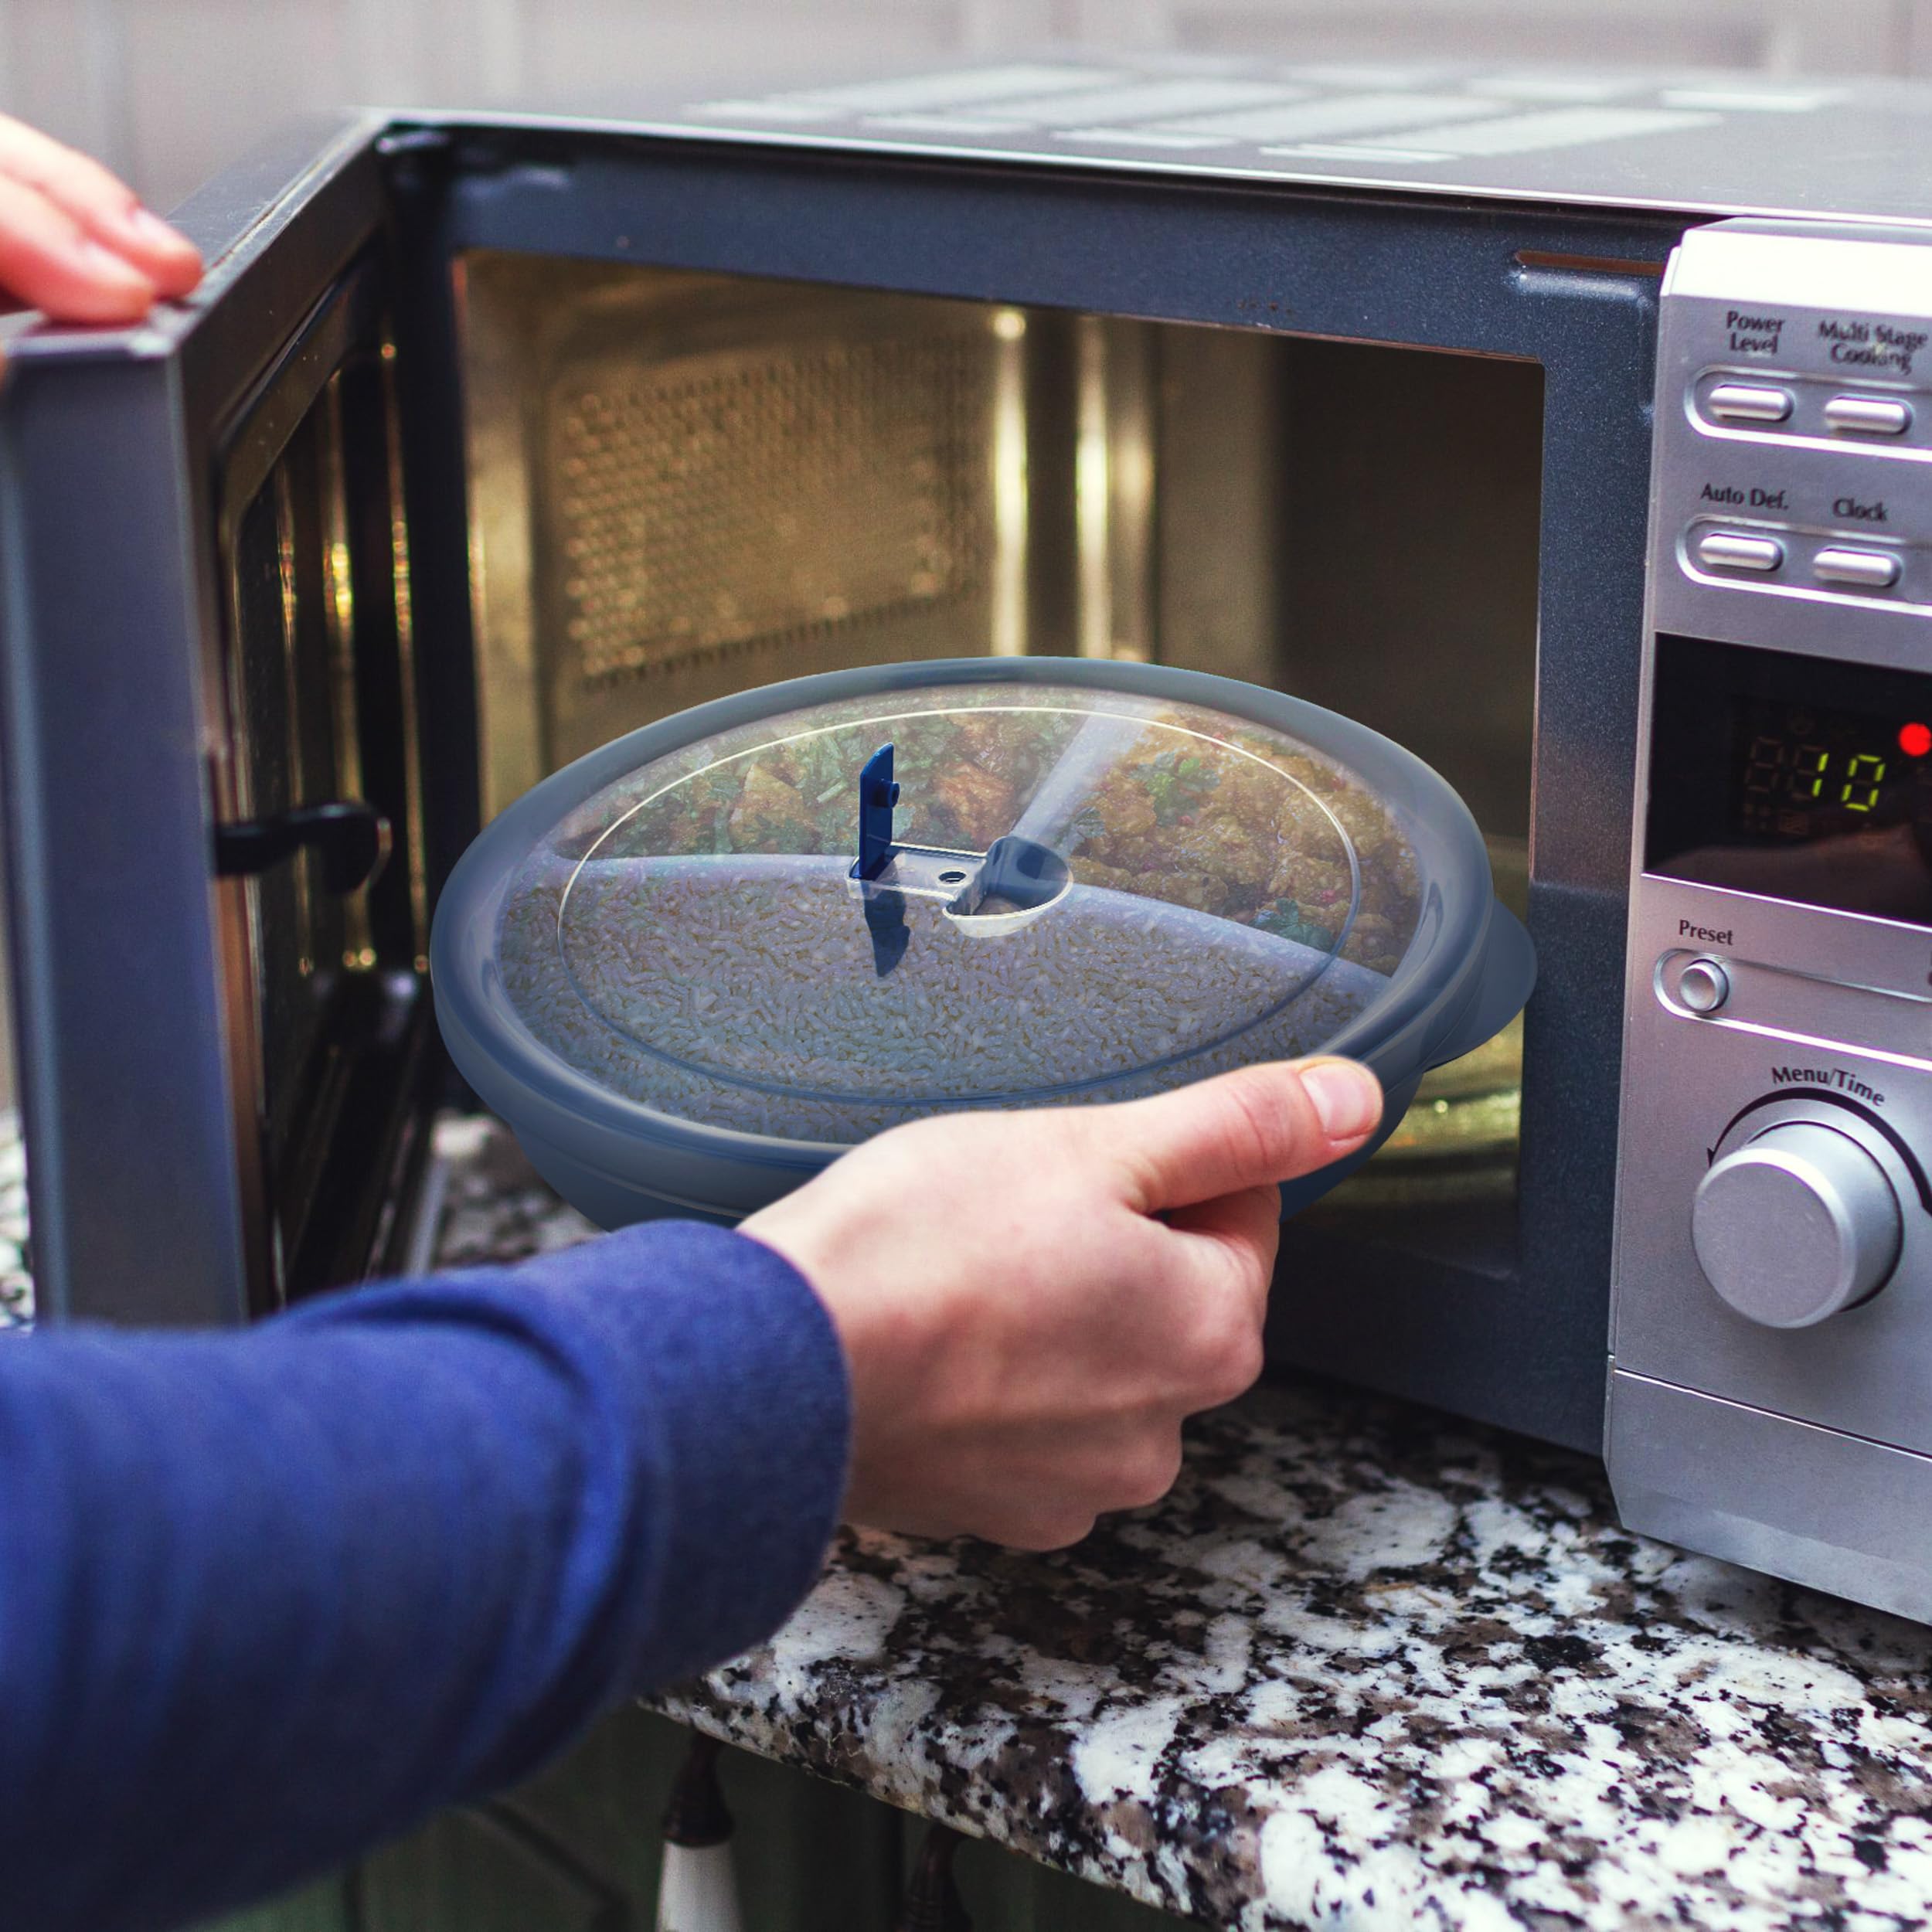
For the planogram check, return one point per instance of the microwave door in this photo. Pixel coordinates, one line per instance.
(207, 694)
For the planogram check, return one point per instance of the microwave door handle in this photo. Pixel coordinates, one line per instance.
(352, 840)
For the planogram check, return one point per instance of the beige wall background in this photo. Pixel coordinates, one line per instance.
(169, 90)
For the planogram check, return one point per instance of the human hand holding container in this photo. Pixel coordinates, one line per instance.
(1031, 1304)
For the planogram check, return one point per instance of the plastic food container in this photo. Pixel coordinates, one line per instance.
(692, 968)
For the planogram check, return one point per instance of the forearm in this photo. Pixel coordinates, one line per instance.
(268, 1597)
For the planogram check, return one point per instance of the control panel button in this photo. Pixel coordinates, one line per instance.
(1863, 569)
(1869, 415)
(1732, 550)
(1703, 986)
(1748, 403)
(1798, 1225)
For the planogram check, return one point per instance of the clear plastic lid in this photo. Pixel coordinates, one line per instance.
(836, 918)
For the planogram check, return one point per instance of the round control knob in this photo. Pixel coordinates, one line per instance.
(1797, 1225)
(1703, 985)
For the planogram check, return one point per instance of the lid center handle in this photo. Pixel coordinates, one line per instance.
(987, 892)
(877, 796)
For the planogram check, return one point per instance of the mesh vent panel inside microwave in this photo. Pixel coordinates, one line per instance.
(723, 505)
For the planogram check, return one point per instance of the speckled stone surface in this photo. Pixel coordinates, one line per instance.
(16, 1278)
(495, 1206)
(1366, 1667)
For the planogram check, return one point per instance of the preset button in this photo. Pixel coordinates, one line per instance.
(1704, 985)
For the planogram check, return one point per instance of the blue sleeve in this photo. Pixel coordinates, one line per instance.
(266, 1598)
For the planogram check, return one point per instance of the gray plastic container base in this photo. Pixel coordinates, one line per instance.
(626, 1149)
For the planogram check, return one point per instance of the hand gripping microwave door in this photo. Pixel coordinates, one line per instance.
(695, 966)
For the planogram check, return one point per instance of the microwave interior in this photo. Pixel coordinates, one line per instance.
(683, 483)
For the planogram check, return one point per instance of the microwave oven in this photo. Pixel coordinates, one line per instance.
(1576, 432)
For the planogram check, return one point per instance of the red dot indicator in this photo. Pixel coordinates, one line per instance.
(1915, 740)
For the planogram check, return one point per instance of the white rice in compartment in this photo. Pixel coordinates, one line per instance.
(743, 991)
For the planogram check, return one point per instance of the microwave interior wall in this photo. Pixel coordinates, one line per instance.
(684, 484)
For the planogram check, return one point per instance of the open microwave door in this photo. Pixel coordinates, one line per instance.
(211, 691)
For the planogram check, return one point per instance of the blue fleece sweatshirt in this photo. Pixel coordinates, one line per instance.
(266, 1598)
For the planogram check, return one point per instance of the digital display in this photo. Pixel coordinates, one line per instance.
(1805, 774)
(1792, 777)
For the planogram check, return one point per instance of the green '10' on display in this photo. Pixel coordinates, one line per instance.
(1809, 773)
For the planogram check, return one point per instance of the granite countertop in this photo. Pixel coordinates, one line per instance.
(16, 1284)
(1365, 1667)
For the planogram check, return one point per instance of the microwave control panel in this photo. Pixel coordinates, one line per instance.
(1771, 1386)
